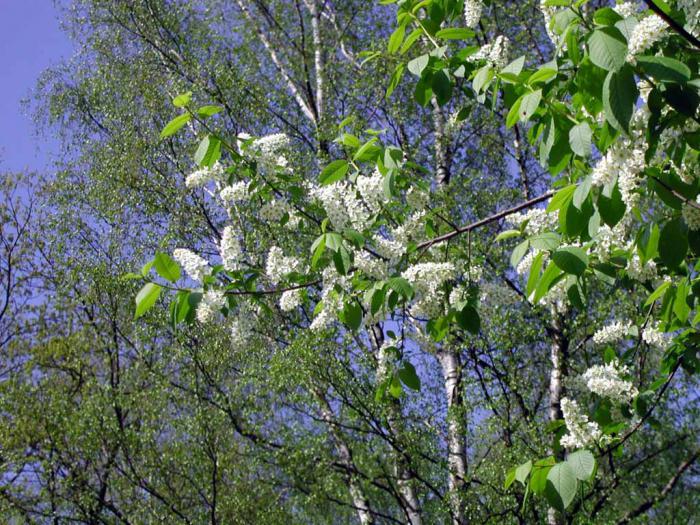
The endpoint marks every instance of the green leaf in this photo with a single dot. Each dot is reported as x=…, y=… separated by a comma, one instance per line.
x=561, y=197
x=468, y=319
x=364, y=149
x=334, y=172
x=146, y=298
x=534, y=275
x=317, y=249
x=543, y=74
x=208, y=111
x=411, y=39
x=396, y=39
x=529, y=105
x=583, y=464
x=418, y=64
x=174, y=125
x=510, y=478
x=523, y=471
x=607, y=48
x=395, y=388
x=208, y=152
x=514, y=112
x=507, y=234
x=519, y=252
x=545, y=241
x=561, y=486
x=442, y=87
x=408, y=376
x=664, y=69
x=656, y=294
x=352, y=315
x=582, y=191
x=166, y=267
x=515, y=67
x=334, y=241
x=580, y=140
x=673, y=243
x=549, y=277
x=395, y=79
x=182, y=100
x=571, y=259
x=455, y=33
x=619, y=97
x=401, y=286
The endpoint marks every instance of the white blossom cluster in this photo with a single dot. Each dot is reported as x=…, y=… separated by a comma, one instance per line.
x=691, y=216
x=241, y=330
x=652, y=336
x=606, y=381
x=496, y=53
x=212, y=301
x=472, y=13
x=269, y=149
x=273, y=211
x=390, y=249
x=343, y=207
x=607, y=239
x=612, y=333
x=412, y=229
x=626, y=162
x=202, y=176
x=538, y=220
x=194, y=265
x=331, y=300
x=645, y=34
x=582, y=433
x=236, y=192
x=290, y=299
x=626, y=9
x=427, y=278
x=370, y=265
x=417, y=199
x=371, y=188
x=230, y=249
x=556, y=299
x=278, y=265
x=641, y=272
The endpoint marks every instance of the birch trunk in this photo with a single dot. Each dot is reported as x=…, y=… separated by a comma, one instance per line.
x=558, y=357
x=357, y=494
x=402, y=469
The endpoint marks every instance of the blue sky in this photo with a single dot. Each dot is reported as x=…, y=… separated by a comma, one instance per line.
x=30, y=42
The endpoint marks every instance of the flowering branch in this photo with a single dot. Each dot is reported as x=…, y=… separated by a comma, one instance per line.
x=485, y=221
x=672, y=23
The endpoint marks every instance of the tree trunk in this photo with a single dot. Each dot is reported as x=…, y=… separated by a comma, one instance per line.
x=402, y=468
x=456, y=431
x=558, y=357
x=359, y=499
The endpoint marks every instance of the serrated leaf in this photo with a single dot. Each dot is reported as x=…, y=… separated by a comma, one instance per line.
x=174, y=125
x=208, y=111
x=529, y=105
x=455, y=33
x=166, y=267
x=523, y=471
x=334, y=172
x=182, y=100
x=208, y=152
x=571, y=259
x=561, y=486
x=620, y=95
x=607, y=48
x=146, y=298
x=583, y=464
x=408, y=376
x=664, y=69
x=580, y=140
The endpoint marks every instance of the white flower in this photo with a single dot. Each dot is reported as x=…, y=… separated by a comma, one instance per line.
x=290, y=299
x=496, y=53
x=212, y=301
x=269, y=148
x=652, y=336
x=274, y=210
x=605, y=381
x=417, y=199
x=608, y=239
x=626, y=9
x=234, y=193
x=691, y=8
x=525, y=263
x=388, y=248
x=241, y=330
x=538, y=220
x=331, y=303
x=648, y=31
x=278, y=266
x=582, y=433
x=230, y=249
x=612, y=333
x=641, y=272
x=691, y=216
x=370, y=265
x=200, y=177
x=194, y=265
x=426, y=278
x=472, y=13
x=625, y=162
x=371, y=189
